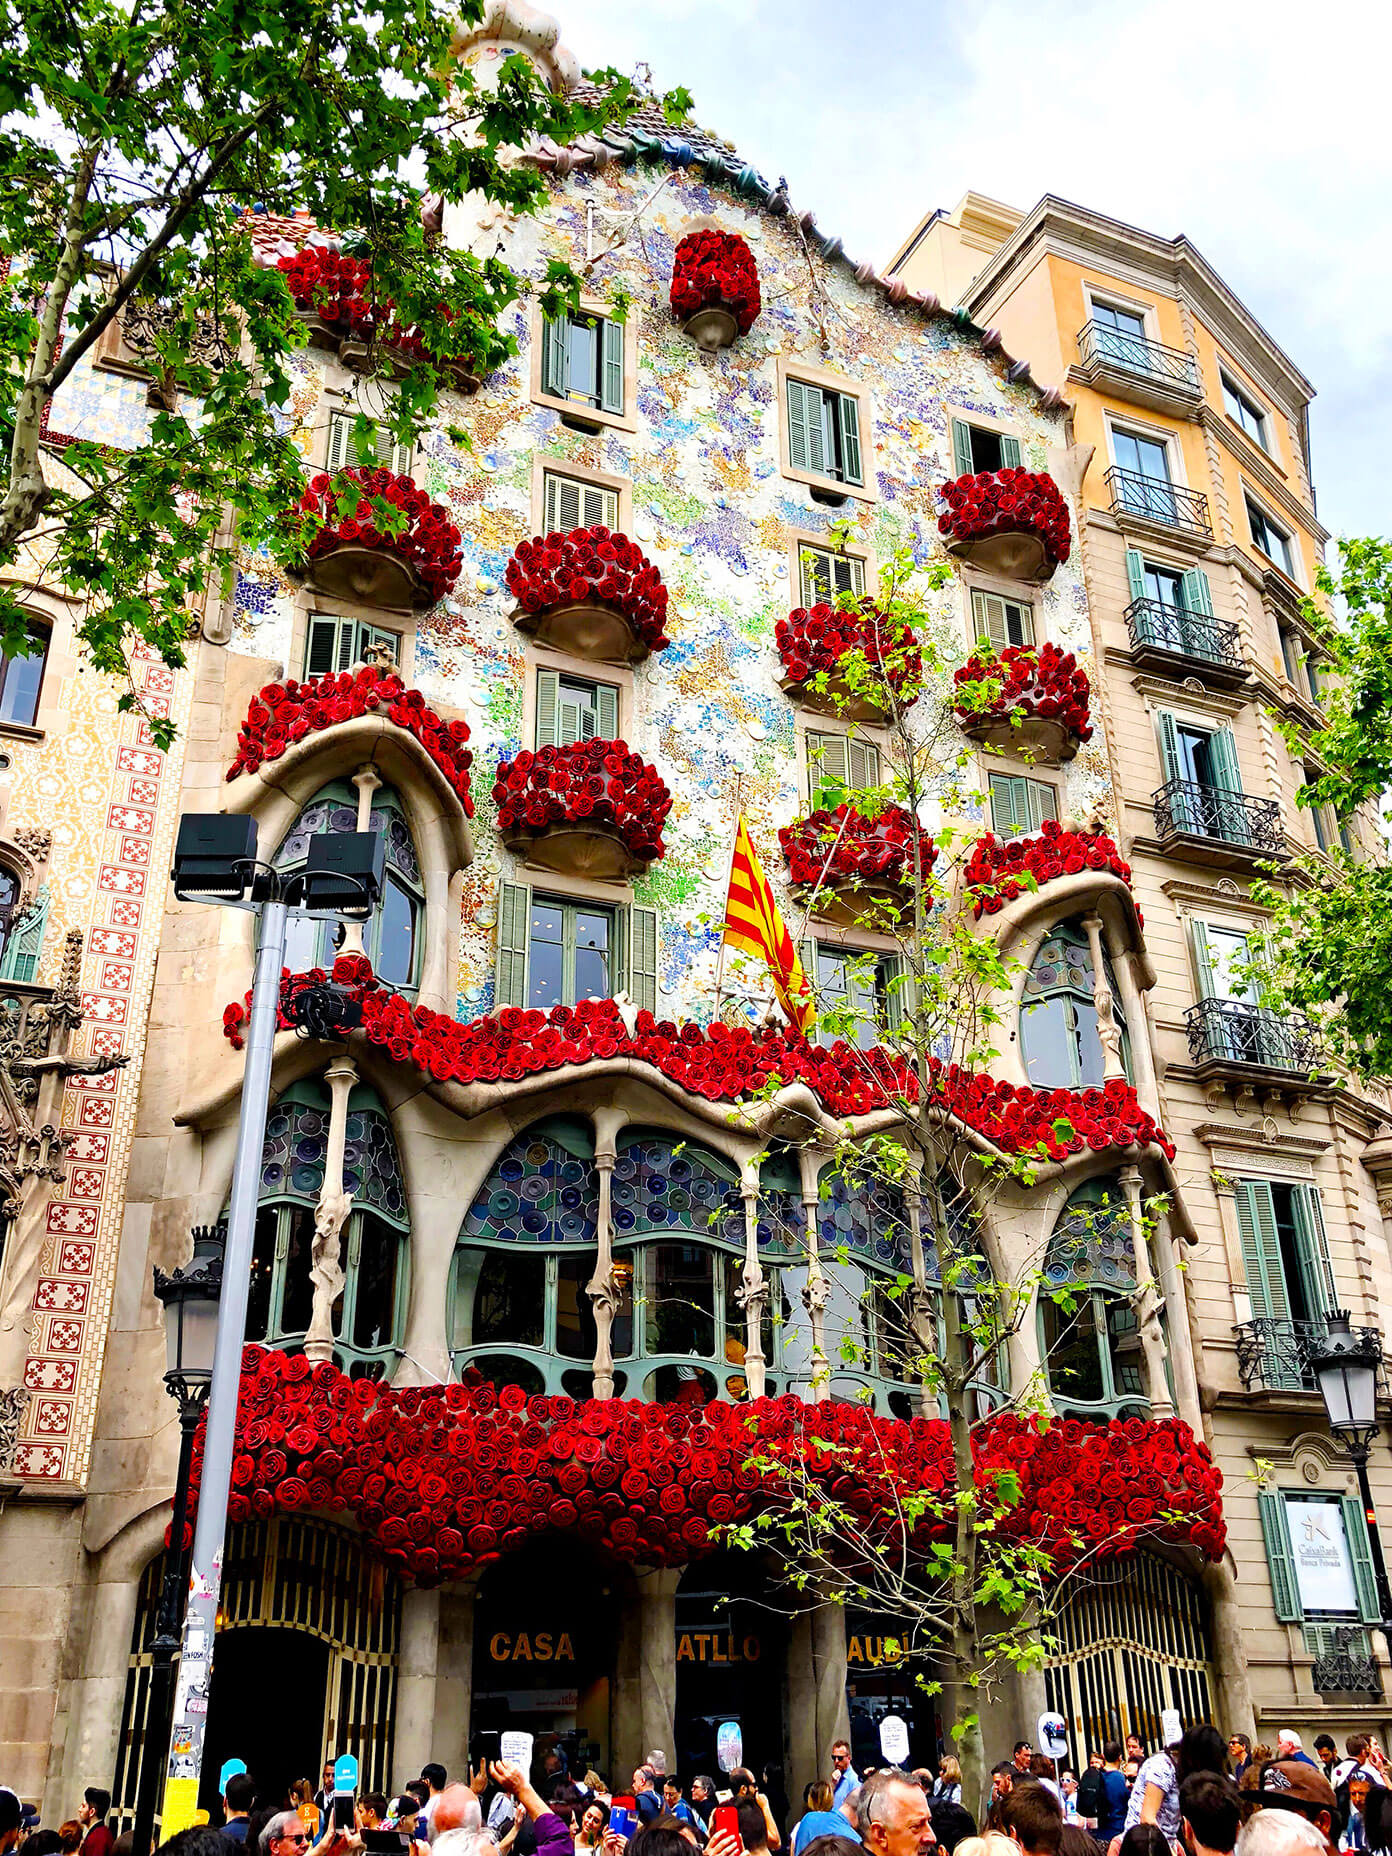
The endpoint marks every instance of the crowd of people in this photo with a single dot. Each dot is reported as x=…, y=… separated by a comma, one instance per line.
x=1201, y=1796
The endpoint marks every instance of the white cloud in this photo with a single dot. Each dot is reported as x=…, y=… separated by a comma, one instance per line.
x=1261, y=133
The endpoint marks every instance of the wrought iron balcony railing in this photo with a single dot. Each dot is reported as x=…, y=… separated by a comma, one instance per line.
x=1163, y=627
x=1232, y=1031
x=1133, y=493
x=1274, y=1355
x=1344, y=1662
x=1099, y=345
x=1217, y=812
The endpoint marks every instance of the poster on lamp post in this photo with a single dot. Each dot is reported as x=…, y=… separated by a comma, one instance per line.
x=1319, y=1546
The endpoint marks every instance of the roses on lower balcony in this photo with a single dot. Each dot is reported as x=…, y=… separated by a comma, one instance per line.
x=1008, y=503
x=596, y=785
x=427, y=547
x=442, y=1479
x=715, y=270
x=818, y=644
x=591, y=565
x=1046, y=685
x=284, y=713
x=841, y=847
x=995, y=865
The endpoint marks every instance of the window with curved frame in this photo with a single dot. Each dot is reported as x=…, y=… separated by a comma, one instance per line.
x=394, y=939
x=369, y=1315
x=1059, y=1037
x=1087, y=1316
x=21, y=680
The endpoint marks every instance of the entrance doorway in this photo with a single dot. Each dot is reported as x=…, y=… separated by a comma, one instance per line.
x=732, y=1654
x=880, y=1681
x=255, y=1674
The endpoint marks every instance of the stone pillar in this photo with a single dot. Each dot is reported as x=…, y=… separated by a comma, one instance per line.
x=922, y=1313
x=1133, y=1006
x=454, y=1680
x=1180, y=1330
x=330, y=1216
x=814, y=1291
x=1108, y=1030
x=657, y=1659
x=417, y=1666
x=1232, y=1689
x=833, y=1718
x=367, y=780
x=1147, y=1301
x=97, y=1694
x=603, y=1286
x=800, y=1706
x=753, y=1291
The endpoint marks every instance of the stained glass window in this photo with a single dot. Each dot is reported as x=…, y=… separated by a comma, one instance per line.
x=1058, y=1021
x=1091, y=1243
x=542, y=1190
x=865, y=1216
x=1090, y=1338
x=661, y=1185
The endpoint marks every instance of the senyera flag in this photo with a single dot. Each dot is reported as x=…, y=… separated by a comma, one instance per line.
x=754, y=925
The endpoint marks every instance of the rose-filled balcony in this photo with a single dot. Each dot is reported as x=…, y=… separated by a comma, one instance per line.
x=715, y=288
x=590, y=809
x=995, y=868
x=855, y=665
x=284, y=713
x=441, y=1479
x=1012, y=522
x=348, y=549
x=333, y=296
x=590, y=592
x=853, y=869
x=1034, y=703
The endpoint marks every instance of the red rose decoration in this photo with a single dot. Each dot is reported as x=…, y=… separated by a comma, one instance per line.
x=596, y=781
x=1047, y=682
x=591, y=564
x=338, y=290
x=428, y=543
x=715, y=270
x=814, y=641
x=994, y=867
x=1007, y=501
x=841, y=847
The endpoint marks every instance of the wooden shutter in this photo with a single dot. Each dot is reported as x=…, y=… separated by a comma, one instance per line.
x=1010, y=452
x=391, y=455
x=848, y=573
x=339, y=450
x=1202, y=962
x=814, y=576
x=640, y=948
x=862, y=763
x=807, y=954
x=1312, y=1252
x=961, y=449
x=1261, y=1250
x=848, y=408
x=555, y=357
x=611, y=372
x=607, y=709
x=1361, y=1558
x=369, y=635
x=1169, y=746
x=1135, y=573
x=548, y=686
x=329, y=645
x=828, y=764
x=993, y=619
x=1195, y=592
x=560, y=504
x=799, y=447
x=1041, y=802
x=901, y=994
x=24, y=943
x=1223, y=749
x=1280, y=1561
x=514, y=913
x=1009, y=805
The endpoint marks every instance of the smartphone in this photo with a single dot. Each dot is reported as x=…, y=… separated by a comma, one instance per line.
x=725, y=1817
x=345, y=1816
x=385, y=1842
x=623, y=1815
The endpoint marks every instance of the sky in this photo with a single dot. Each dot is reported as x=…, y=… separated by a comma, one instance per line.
x=1262, y=133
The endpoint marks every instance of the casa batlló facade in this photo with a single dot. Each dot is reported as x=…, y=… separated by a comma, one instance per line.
x=521, y=1258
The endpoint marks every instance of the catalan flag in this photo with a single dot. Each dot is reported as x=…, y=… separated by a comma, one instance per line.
x=754, y=925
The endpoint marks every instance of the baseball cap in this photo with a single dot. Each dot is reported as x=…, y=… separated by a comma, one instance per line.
x=1293, y=1782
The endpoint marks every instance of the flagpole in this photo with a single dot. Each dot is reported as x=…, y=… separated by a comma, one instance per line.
x=729, y=877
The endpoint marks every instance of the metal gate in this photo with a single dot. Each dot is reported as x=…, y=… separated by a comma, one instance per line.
x=298, y=1575
x=1132, y=1641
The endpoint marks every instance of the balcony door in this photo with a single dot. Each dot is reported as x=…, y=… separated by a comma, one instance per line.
x=1120, y=336
x=1146, y=488
x=1249, y=1032
x=1201, y=764
x=1285, y=1255
x=1174, y=609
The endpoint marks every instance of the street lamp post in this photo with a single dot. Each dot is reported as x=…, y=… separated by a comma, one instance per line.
x=1346, y=1367
x=190, y=1298
x=215, y=860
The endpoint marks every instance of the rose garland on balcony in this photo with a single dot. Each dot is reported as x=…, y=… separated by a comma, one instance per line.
x=996, y=863
x=1011, y=501
x=283, y=713
x=337, y=289
x=723, y=1063
x=596, y=783
x=815, y=640
x=841, y=846
x=429, y=543
x=591, y=563
x=443, y=1479
x=1043, y=682
x=715, y=270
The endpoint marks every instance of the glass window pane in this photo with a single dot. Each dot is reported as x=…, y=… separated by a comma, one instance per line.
x=1048, y=1044
x=1072, y=1350
x=262, y=1270
x=396, y=935
x=19, y=695
x=1124, y=1346
x=576, y=1333
x=679, y=1315
x=374, y=1299
x=546, y=957
x=508, y=1299
x=584, y=360
x=592, y=954
x=297, y=1294
x=1087, y=1045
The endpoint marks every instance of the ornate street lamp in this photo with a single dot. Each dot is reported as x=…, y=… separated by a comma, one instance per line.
x=190, y=1298
x=1346, y=1366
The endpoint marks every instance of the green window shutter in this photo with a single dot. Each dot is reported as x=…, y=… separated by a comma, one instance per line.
x=799, y=445
x=901, y=994
x=1169, y=746
x=1223, y=748
x=863, y=764
x=339, y=450
x=514, y=910
x=1361, y=1556
x=1312, y=1251
x=849, y=574
x=1009, y=805
x=1280, y=1561
x=323, y=646
x=1196, y=595
x=607, y=706
x=961, y=449
x=1199, y=935
x=611, y=388
x=1135, y=573
x=562, y=504
x=815, y=583
x=555, y=357
x=640, y=943
x=849, y=412
x=23, y=945
x=548, y=687
x=1041, y=803
x=828, y=764
x=1261, y=1250
x=1010, y=452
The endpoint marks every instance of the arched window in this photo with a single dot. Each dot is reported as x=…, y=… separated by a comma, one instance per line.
x=394, y=939
x=1058, y=1020
x=21, y=680
x=369, y=1315
x=1087, y=1317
